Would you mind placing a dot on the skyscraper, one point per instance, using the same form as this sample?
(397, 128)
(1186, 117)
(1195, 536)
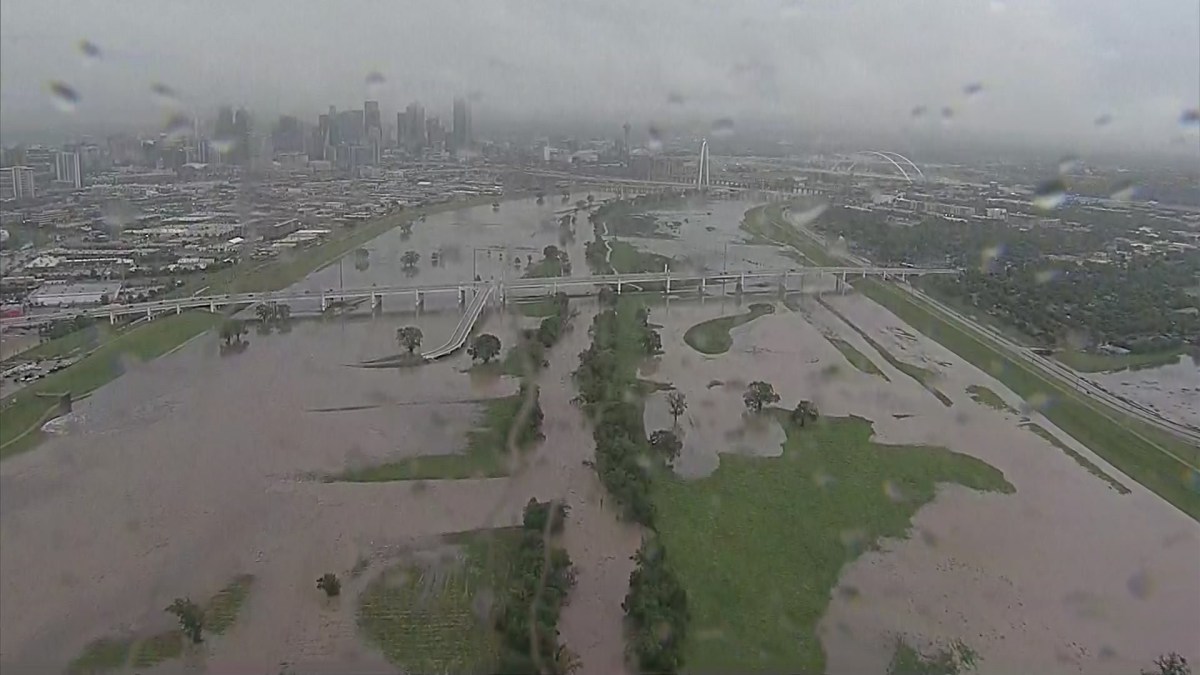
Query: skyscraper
(461, 138)
(66, 169)
(414, 134)
(241, 135)
(16, 182)
(371, 118)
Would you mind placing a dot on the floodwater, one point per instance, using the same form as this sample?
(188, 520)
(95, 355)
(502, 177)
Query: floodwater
(1065, 575)
(1173, 390)
(198, 467)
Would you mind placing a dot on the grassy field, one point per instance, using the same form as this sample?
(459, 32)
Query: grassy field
(991, 399)
(157, 649)
(787, 526)
(426, 618)
(24, 412)
(71, 344)
(222, 609)
(486, 455)
(712, 336)
(102, 655)
(1160, 461)
(1080, 459)
(538, 308)
(1085, 362)
(856, 358)
(629, 259)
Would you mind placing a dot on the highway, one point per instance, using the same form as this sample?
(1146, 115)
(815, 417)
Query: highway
(1046, 366)
(463, 330)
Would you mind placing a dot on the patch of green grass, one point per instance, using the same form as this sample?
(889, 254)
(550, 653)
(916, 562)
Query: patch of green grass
(101, 655)
(1086, 362)
(22, 414)
(157, 648)
(1079, 459)
(71, 344)
(787, 526)
(956, 659)
(712, 336)
(856, 358)
(924, 376)
(1155, 458)
(544, 268)
(486, 455)
(222, 609)
(991, 399)
(629, 259)
(538, 308)
(426, 618)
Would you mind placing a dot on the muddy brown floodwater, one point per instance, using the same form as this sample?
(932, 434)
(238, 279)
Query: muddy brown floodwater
(198, 467)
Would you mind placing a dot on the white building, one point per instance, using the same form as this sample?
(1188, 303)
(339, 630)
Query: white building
(66, 169)
(16, 182)
(71, 294)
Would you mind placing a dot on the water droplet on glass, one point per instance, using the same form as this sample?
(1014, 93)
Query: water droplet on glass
(223, 144)
(655, 143)
(918, 111)
(1123, 191)
(855, 540)
(722, 127)
(178, 125)
(91, 53)
(822, 479)
(375, 82)
(1190, 118)
(947, 113)
(988, 256)
(674, 98)
(1103, 120)
(65, 98)
(893, 492)
(1050, 194)
(848, 592)
(973, 88)
(1140, 585)
(1046, 276)
(164, 95)
(1068, 164)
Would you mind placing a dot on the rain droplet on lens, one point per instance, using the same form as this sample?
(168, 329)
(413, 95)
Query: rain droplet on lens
(655, 143)
(1190, 117)
(1046, 276)
(1068, 164)
(988, 256)
(375, 77)
(674, 98)
(722, 127)
(1123, 191)
(1050, 194)
(1103, 120)
(89, 50)
(164, 95)
(973, 88)
(893, 492)
(223, 144)
(64, 96)
(178, 125)
(918, 111)
(947, 113)
(1140, 585)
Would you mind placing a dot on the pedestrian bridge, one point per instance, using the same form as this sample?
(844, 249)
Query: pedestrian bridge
(469, 291)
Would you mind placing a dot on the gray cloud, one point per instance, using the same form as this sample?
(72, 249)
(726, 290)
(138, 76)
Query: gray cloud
(1048, 67)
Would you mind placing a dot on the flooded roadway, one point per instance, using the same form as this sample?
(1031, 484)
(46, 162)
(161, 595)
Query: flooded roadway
(197, 467)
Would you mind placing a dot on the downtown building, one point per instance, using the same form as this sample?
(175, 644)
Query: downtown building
(17, 182)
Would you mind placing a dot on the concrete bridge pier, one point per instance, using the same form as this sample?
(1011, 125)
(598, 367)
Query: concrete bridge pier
(418, 299)
(618, 286)
(703, 281)
(179, 309)
(112, 318)
(668, 287)
(741, 284)
(462, 295)
(324, 303)
(376, 303)
(212, 307)
(843, 284)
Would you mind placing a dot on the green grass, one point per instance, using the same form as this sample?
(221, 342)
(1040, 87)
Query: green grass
(1079, 459)
(1155, 458)
(25, 411)
(425, 619)
(756, 599)
(856, 358)
(956, 659)
(101, 655)
(538, 308)
(546, 267)
(1086, 362)
(923, 376)
(222, 609)
(486, 455)
(158, 648)
(71, 344)
(712, 336)
(991, 399)
(629, 259)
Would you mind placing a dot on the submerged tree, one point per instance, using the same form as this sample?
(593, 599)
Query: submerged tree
(485, 347)
(759, 394)
(805, 412)
(191, 618)
(409, 337)
(677, 402)
(330, 583)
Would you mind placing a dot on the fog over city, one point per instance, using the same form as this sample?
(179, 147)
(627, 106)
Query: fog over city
(1067, 73)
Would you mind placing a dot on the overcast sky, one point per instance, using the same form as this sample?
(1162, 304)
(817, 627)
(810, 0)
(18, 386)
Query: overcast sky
(1048, 68)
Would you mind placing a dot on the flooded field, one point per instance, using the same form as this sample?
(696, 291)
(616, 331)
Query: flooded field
(201, 466)
(1173, 390)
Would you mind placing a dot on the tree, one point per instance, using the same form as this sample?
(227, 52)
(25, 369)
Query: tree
(759, 394)
(566, 662)
(410, 259)
(409, 337)
(330, 583)
(550, 252)
(191, 618)
(677, 403)
(1170, 664)
(283, 311)
(264, 312)
(804, 412)
(485, 347)
(666, 443)
(232, 330)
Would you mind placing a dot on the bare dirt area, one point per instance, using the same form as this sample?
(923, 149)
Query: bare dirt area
(1065, 575)
(196, 468)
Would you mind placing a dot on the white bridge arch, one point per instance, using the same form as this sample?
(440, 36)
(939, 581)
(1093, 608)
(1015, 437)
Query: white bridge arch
(890, 157)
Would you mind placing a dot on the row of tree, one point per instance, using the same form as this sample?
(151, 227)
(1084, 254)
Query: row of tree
(554, 263)
(527, 615)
